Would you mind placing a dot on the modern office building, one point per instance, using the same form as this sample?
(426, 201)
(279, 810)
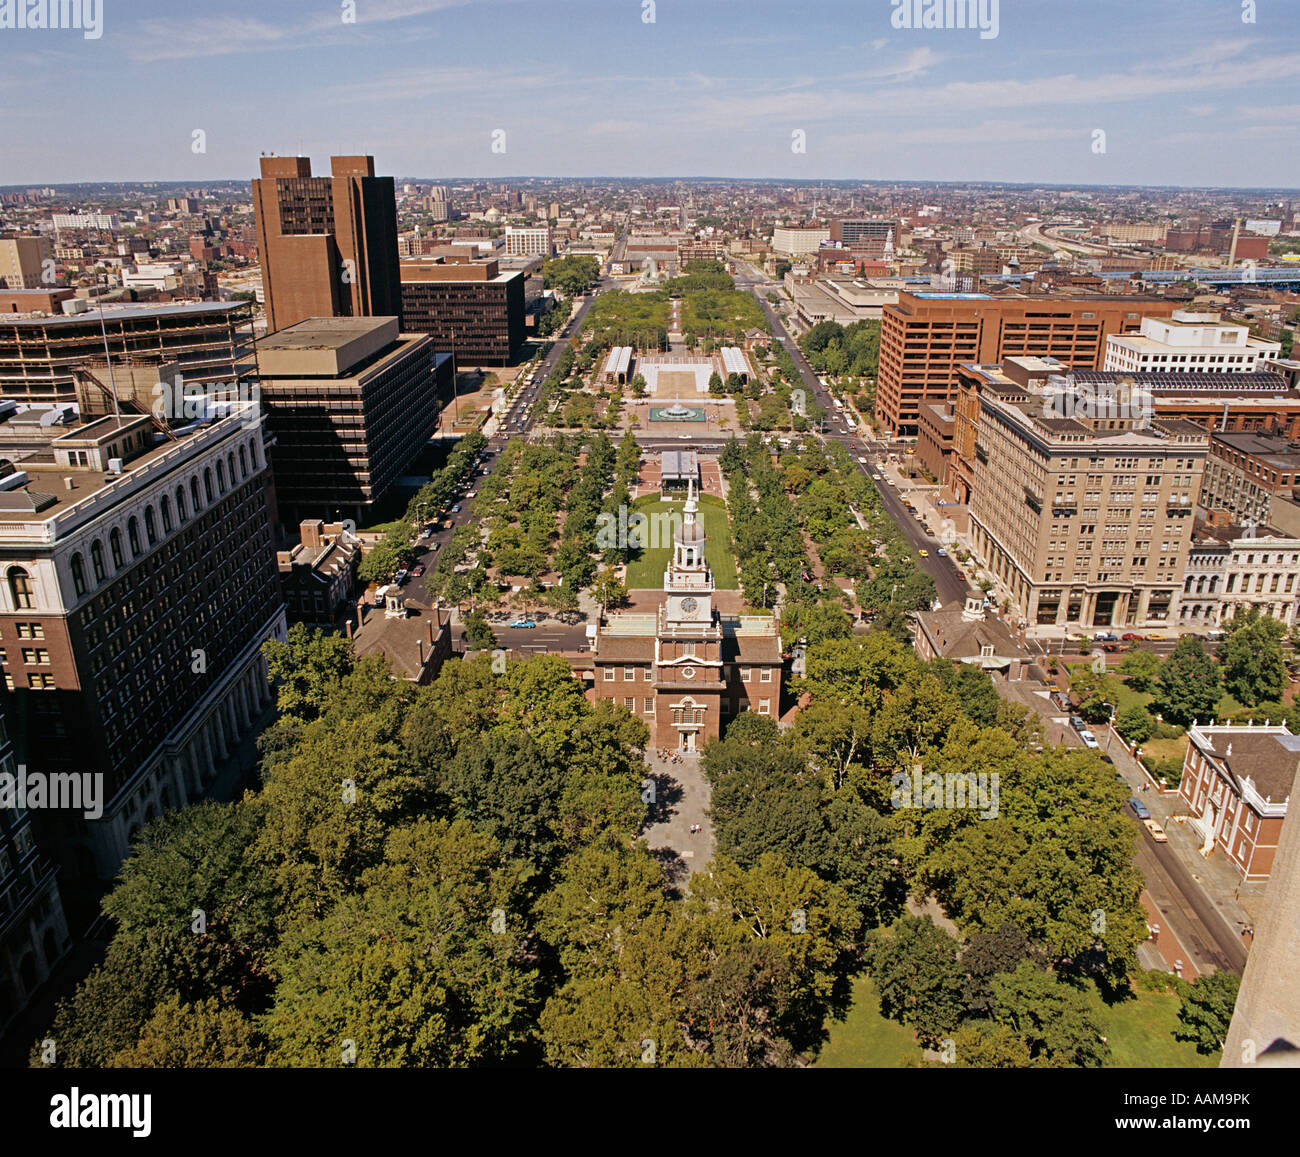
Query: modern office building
(139, 585)
(687, 670)
(1188, 342)
(47, 360)
(351, 402)
(1085, 520)
(852, 232)
(927, 336)
(328, 245)
(529, 242)
(798, 242)
(103, 222)
(22, 262)
(33, 929)
(469, 307)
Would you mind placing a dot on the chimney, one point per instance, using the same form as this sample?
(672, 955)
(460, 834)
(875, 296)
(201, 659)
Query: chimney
(70, 483)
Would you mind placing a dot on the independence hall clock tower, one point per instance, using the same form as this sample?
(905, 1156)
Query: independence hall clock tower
(689, 675)
(686, 670)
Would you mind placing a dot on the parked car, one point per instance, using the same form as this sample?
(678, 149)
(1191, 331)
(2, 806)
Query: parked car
(1156, 831)
(1156, 638)
(1130, 636)
(417, 570)
(1107, 637)
(427, 531)
(523, 624)
(1089, 740)
(456, 509)
(1078, 723)
(1139, 809)
(401, 576)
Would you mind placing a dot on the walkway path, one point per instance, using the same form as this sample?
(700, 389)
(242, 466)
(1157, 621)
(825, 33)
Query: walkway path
(682, 797)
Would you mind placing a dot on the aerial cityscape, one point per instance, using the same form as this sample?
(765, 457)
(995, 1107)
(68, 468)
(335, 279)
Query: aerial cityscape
(644, 535)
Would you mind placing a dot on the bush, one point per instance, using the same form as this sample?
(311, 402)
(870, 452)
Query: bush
(1170, 769)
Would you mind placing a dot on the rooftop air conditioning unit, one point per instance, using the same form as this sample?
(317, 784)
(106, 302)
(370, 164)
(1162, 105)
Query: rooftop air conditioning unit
(115, 465)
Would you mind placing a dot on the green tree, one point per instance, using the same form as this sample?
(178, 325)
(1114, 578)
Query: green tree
(479, 635)
(194, 907)
(607, 589)
(1052, 1018)
(203, 1035)
(716, 387)
(1097, 694)
(1135, 724)
(1190, 684)
(1141, 668)
(307, 669)
(916, 970)
(1207, 1010)
(1254, 668)
(425, 968)
(984, 1045)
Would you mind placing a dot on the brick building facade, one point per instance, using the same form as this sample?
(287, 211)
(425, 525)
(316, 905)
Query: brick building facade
(688, 670)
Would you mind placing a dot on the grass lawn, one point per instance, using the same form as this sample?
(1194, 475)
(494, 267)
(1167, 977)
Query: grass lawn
(1156, 749)
(647, 572)
(865, 1039)
(1140, 1033)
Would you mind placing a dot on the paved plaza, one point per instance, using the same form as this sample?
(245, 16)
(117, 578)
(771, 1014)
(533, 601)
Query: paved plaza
(681, 800)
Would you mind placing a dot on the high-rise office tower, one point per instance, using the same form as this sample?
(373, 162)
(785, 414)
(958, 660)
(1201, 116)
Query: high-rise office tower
(328, 245)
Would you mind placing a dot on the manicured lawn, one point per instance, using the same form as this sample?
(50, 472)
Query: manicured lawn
(1156, 749)
(1140, 1033)
(647, 571)
(865, 1039)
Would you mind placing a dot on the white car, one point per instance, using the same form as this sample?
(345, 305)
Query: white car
(1089, 740)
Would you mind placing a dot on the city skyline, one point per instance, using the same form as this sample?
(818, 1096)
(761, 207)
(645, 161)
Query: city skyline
(719, 89)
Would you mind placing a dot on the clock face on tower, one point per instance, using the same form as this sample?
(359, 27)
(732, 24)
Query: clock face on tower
(689, 606)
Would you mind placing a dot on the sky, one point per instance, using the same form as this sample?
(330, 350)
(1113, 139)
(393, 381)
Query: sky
(1186, 92)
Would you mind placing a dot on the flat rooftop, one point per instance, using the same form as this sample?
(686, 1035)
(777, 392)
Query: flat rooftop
(196, 309)
(325, 346)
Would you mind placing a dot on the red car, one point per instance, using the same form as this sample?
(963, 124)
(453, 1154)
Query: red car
(417, 571)
(1130, 637)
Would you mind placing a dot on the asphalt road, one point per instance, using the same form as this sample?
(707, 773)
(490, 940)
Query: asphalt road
(1192, 916)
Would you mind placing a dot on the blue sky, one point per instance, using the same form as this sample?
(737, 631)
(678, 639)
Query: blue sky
(1186, 93)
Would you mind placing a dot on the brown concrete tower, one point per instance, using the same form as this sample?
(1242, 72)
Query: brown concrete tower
(328, 245)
